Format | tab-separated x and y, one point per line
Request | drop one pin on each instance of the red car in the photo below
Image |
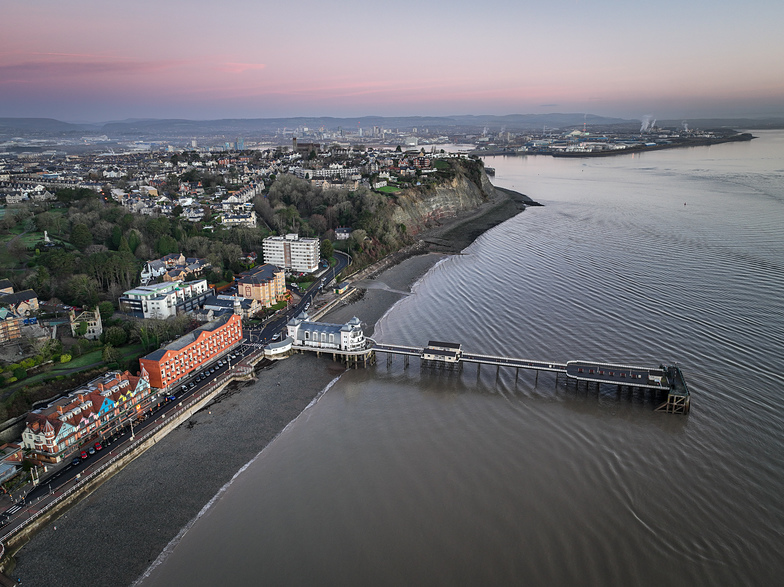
84	454
98	446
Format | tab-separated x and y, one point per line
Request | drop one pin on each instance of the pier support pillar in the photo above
536	381
517	375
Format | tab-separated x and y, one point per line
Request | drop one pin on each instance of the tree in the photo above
40	281
106	309
167	244
111	354
83	290
116	237
327	250
357	238
81	236
81	330
318	223
124	246
115	336
134	240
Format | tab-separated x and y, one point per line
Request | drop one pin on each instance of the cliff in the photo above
429	206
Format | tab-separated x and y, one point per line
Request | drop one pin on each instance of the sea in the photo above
400	475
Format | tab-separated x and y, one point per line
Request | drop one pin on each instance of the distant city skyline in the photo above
85	60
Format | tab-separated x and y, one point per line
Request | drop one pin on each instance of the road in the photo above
263	334
66	475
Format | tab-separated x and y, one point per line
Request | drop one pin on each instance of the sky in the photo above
92	61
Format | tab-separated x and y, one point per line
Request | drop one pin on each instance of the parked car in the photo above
83	455
76	461
98	446
171	398
91	450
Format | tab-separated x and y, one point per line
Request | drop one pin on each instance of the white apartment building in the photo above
292	252
162	300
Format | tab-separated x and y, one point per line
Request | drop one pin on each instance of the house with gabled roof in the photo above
90	412
23	303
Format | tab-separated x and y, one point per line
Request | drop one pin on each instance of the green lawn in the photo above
389	189
96	356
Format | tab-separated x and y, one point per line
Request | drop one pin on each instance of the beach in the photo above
112	536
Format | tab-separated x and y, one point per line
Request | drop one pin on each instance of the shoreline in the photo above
146	506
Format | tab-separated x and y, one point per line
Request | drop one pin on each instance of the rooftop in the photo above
189	338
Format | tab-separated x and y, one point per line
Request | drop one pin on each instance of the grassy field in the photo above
389	189
96	356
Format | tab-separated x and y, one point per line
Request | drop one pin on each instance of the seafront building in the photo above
163	300
322	335
265	284
292	252
172	363
91	411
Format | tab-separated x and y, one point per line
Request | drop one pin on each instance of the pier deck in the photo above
669	379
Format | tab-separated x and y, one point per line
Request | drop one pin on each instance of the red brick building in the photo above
188	353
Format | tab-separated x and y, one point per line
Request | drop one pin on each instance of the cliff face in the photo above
420	208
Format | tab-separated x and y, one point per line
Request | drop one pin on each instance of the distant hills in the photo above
149	128
184	127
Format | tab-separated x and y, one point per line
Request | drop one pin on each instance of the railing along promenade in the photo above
47	504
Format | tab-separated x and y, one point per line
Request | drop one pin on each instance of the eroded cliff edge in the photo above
451	215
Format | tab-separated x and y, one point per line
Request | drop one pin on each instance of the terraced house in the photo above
90	412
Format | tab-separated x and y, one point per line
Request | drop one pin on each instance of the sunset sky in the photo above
90	60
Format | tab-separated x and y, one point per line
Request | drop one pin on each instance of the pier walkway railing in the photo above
451	356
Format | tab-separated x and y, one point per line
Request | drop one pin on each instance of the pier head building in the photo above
345	341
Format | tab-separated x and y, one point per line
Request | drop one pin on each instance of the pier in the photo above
348	343
446	355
